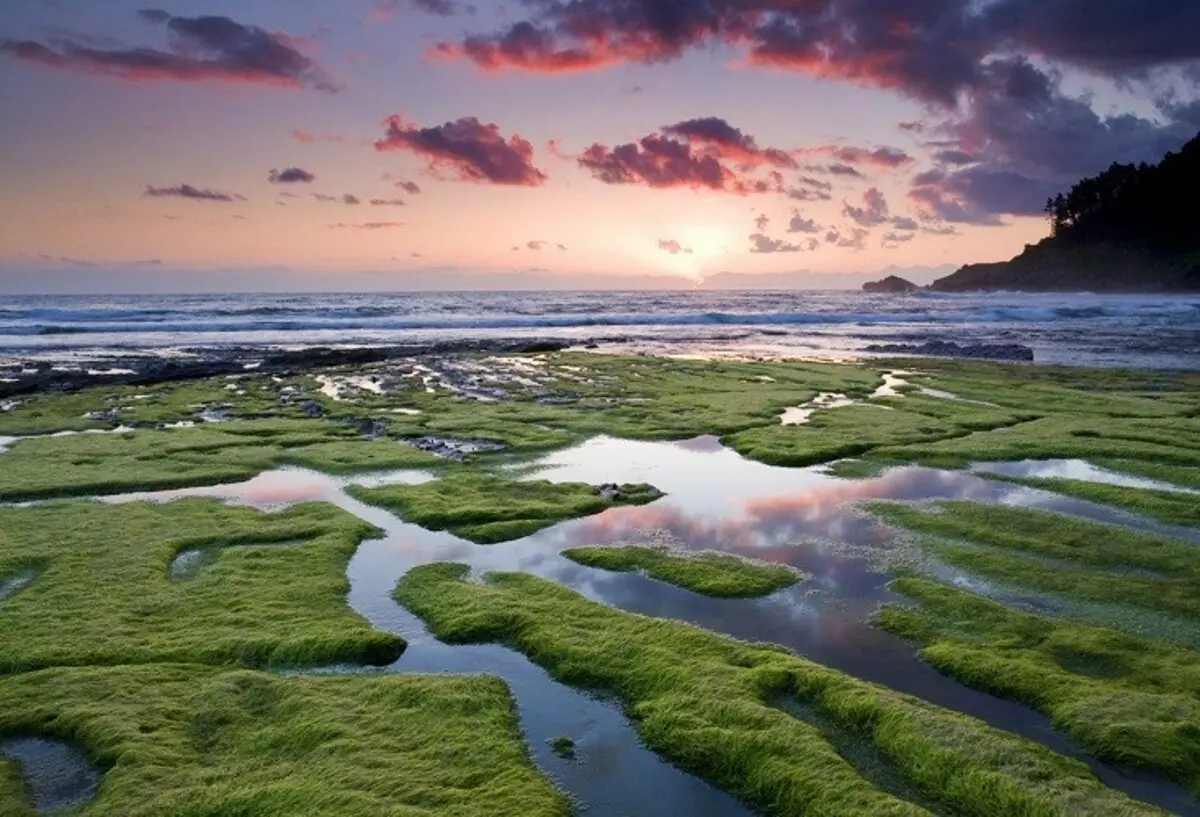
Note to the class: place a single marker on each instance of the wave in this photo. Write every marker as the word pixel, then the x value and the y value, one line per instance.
pixel 387 321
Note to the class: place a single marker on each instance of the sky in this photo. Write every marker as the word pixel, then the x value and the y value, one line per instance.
pixel 423 143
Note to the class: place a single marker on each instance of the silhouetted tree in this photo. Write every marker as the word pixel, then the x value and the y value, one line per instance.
pixel 1156 207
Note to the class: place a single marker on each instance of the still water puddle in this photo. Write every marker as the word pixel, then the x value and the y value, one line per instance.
pixel 1075 469
pixel 58 775
pixel 715 500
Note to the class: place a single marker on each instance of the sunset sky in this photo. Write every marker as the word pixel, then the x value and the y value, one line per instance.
pixel 575 138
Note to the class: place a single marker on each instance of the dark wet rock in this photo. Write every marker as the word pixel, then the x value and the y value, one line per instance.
pixel 890 284
pixel 609 491
pixel 312 408
pixel 218 362
pixel 455 449
pixel 942 348
pixel 369 428
pixel 558 399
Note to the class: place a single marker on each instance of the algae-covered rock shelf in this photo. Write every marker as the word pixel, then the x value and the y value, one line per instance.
pixel 513 585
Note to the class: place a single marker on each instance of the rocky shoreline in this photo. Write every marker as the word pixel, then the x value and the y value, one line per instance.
pixel 19 377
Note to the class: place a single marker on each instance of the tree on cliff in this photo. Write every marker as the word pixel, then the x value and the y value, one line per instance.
pixel 1155 207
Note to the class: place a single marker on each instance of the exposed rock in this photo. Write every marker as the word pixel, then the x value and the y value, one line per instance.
pixel 455 449
pixel 312 408
pixel 609 491
pixel 891 284
pixel 217 362
pixel 369 428
pixel 942 348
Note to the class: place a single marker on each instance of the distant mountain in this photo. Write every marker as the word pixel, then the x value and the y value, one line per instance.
pixel 1133 228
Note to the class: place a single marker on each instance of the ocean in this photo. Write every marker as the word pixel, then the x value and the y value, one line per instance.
pixel 1151 331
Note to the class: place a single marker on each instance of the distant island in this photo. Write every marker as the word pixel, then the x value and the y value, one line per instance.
pixel 1133 228
pixel 892 283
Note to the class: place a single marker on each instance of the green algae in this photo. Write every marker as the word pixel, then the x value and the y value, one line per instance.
pixel 564 747
pixel 104 594
pixel 1173 441
pixel 89 464
pixel 1128 700
pixel 14 797
pixel 703 700
pixel 853 431
pixel 487 509
pixel 200 741
pixel 710 574
pixel 1075 558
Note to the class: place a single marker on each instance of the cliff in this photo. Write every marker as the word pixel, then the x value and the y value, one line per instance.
pixel 1133 228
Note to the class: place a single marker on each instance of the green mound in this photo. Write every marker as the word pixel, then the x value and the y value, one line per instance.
pixel 711 574
pixel 103 594
pixel 1129 700
pixel 487 509
pixel 46 467
pixel 188 740
pixel 705 701
pixel 1059 554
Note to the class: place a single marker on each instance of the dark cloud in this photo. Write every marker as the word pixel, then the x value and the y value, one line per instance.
pixel 187 191
pixel 200 49
pixel 1028 140
pixel 466 150
pixel 810 189
pixel 799 224
pixel 442 8
pixel 673 247
pixel 855 239
pixel 953 156
pixel 873 212
pixel 1118 38
pixel 762 222
pixel 291 175
pixel 387 202
pixel 690 154
pixel 760 243
pixel 893 240
pixel 369 225
pixel 346 198
pixel 930 50
pixel 904 223
pixel 412 188
pixel 883 158
pixel 806 194
pixel 562 247
pixel 724 141
pixel 835 169
pixel 536 244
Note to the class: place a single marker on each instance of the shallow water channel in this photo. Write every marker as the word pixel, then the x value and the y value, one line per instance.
pixel 715 500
